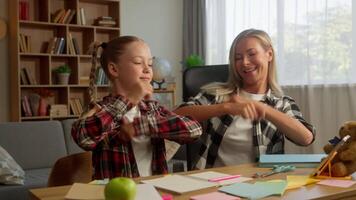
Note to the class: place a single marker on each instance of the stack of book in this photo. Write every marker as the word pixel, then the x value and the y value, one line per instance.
pixel 63 16
pixel 73 46
pixel 27 76
pixel 25 105
pixel 76 106
pixel 30 104
pixel 56 45
pixel 105 21
pixel 25 43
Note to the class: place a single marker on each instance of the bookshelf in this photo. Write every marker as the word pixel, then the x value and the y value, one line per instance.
pixel 32 26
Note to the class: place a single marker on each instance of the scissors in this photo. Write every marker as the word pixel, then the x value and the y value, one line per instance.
pixel 275 170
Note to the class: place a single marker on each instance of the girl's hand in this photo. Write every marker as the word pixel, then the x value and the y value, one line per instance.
pixel 127 131
pixel 246 108
pixel 141 90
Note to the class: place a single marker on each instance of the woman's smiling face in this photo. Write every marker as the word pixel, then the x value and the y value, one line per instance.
pixel 251 63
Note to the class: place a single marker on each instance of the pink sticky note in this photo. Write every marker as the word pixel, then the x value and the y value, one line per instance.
pixel 214 196
pixel 337 183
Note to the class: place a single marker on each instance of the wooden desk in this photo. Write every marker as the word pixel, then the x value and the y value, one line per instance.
pixel 307 192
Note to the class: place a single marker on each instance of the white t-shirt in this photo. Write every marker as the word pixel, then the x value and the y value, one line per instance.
pixel 237 146
pixel 141 146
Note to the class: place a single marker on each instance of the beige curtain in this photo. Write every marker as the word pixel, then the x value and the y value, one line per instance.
pixel 327 107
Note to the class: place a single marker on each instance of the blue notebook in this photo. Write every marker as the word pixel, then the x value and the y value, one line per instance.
pixel 297 160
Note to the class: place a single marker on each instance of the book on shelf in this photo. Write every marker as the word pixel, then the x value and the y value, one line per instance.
pixel 82 16
pixel 84 80
pixel 23 77
pixel 79 105
pixel 70 44
pixel 70 17
pixel 24 10
pixel 26 106
pixel 51 45
pixel 59 46
pixel 73 107
pixel 30 75
pixel 34 100
pixel 57 15
pixel 76 106
pixel 101 78
pixel 105 21
pixel 25 43
pixel 76 46
pixel 28 43
pixel 65 16
pixel 105 18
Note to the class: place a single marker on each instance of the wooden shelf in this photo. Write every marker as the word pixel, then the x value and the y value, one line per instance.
pixel 39 29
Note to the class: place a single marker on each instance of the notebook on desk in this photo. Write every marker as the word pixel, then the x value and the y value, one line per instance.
pixel 297 160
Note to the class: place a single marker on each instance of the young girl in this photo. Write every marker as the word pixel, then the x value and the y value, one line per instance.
pixel 126 130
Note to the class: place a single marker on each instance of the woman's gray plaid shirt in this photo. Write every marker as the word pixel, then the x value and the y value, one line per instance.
pixel 267 139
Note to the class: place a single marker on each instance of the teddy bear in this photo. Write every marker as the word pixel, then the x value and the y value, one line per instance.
pixel 344 162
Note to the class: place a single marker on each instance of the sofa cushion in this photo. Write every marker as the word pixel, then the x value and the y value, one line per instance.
pixel 71 146
pixel 33 144
pixel 10 172
pixel 36 178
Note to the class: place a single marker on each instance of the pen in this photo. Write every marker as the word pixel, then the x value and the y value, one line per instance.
pixel 223 178
pixel 331 155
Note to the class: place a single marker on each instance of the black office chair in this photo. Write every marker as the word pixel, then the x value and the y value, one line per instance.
pixel 193 79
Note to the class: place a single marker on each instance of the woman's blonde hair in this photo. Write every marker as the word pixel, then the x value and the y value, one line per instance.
pixel 234 81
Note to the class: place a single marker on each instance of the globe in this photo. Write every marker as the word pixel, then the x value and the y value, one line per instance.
pixel 161 70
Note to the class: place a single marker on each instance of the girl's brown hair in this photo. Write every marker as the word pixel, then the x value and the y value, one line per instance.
pixel 111 53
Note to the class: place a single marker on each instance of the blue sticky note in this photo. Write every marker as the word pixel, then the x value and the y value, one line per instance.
pixel 246 190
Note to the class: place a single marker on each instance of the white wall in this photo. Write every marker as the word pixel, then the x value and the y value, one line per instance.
pixel 160 24
pixel 4 69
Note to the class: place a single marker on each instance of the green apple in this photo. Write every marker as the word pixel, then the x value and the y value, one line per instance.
pixel 120 188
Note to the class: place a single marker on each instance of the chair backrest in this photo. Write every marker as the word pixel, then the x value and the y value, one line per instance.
pixel 193 79
pixel 70 169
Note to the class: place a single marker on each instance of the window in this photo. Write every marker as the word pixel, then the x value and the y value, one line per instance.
pixel 313 39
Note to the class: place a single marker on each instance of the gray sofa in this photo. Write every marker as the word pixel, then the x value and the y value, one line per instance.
pixel 35 146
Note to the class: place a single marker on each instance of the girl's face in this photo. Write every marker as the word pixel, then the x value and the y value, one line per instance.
pixel 251 63
pixel 134 65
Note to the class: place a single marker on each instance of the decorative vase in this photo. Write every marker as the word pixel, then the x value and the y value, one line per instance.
pixel 42 107
pixel 63 78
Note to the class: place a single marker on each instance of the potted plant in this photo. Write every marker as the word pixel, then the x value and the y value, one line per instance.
pixel 63 73
pixel 192 61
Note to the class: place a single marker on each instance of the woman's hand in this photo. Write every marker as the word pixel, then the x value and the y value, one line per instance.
pixel 248 109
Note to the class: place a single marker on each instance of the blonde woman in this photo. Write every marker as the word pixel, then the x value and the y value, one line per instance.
pixel 248 115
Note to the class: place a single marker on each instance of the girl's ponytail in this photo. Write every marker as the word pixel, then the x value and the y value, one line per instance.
pixel 93 48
